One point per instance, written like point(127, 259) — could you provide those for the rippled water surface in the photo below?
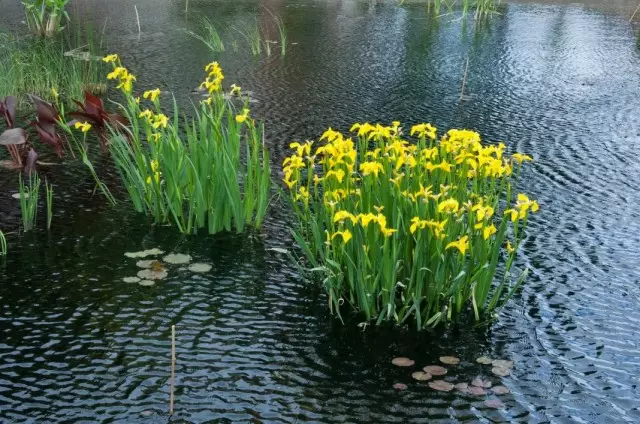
point(255, 342)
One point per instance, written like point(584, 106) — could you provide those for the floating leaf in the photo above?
point(144, 264)
point(147, 283)
point(131, 279)
point(478, 391)
point(441, 385)
point(200, 268)
point(502, 363)
point(493, 403)
point(149, 274)
point(144, 253)
point(177, 259)
point(501, 372)
point(449, 360)
point(462, 386)
point(478, 382)
point(484, 360)
point(501, 390)
point(435, 370)
point(421, 376)
point(400, 386)
point(403, 362)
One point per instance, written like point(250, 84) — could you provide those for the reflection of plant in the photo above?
point(44, 17)
point(404, 230)
point(3, 244)
point(192, 174)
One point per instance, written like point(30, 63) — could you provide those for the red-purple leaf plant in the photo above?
point(16, 139)
point(94, 113)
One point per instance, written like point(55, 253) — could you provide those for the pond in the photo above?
point(255, 342)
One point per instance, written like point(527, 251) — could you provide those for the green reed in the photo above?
point(209, 35)
point(49, 198)
point(191, 171)
point(3, 244)
point(29, 200)
point(45, 17)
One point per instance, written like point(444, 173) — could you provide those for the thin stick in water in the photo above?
point(173, 367)
point(464, 79)
point(186, 7)
point(634, 13)
point(137, 18)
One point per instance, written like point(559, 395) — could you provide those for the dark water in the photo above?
point(255, 343)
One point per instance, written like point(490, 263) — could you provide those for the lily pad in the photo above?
point(435, 370)
point(484, 360)
point(501, 372)
point(441, 385)
point(150, 274)
point(400, 386)
point(493, 403)
point(144, 253)
point(177, 259)
point(421, 376)
point(199, 268)
point(462, 386)
point(478, 382)
point(450, 360)
point(502, 363)
point(501, 390)
point(144, 264)
point(147, 283)
point(403, 362)
point(131, 279)
point(478, 391)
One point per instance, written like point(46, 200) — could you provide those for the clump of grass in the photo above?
point(209, 35)
point(196, 177)
point(406, 230)
point(29, 200)
point(40, 67)
point(45, 17)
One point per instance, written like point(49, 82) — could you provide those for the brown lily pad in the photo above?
point(441, 385)
point(475, 390)
point(403, 362)
point(502, 363)
point(450, 360)
point(501, 372)
point(435, 370)
point(484, 360)
point(400, 386)
point(478, 382)
point(493, 403)
point(421, 376)
point(501, 390)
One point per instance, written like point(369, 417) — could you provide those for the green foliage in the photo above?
point(41, 68)
point(49, 190)
point(29, 200)
point(192, 171)
point(45, 17)
point(409, 230)
point(3, 244)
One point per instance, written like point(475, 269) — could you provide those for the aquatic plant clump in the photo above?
point(401, 229)
point(211, 171)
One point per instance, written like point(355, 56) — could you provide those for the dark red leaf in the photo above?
point(13, 136)
point(30, 163)
point(8, 109)
point(52, 139)
point(44, 111)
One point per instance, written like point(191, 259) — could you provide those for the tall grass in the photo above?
point(192, 171)
point(29, 200)
point(424, 230)
point(45, 17)
point(40, 67)
point(209, 35)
